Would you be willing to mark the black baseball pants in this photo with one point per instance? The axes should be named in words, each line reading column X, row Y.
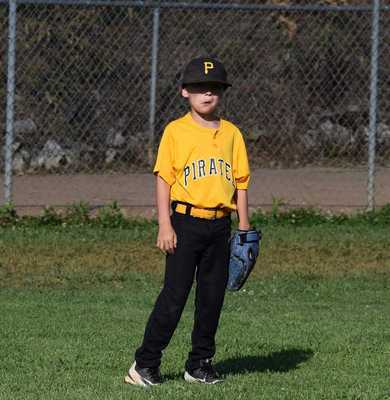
column 202, row 252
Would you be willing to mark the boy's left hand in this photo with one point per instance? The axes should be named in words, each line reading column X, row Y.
column 244, row 249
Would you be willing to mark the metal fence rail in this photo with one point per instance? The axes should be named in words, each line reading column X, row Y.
column 96, row 81
column 3, row 75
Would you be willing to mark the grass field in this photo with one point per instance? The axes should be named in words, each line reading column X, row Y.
column 312, row 322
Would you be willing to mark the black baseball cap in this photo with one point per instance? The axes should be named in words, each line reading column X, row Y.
column 205, row 69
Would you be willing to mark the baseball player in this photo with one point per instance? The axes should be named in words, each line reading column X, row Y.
column 202, row 174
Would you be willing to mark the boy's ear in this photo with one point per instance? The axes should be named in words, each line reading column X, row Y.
column 184, row 92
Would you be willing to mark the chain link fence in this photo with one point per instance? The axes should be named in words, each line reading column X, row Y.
column 85, row 80
column 3, row 75
column 301, row 80
column 383, row 127
column 383, row 137
column 82, row 88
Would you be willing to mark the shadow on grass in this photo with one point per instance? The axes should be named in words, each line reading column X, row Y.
column 279, row 361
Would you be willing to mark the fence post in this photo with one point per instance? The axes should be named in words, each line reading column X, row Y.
column 373, row 105
column 153, row 81
column 9, row 138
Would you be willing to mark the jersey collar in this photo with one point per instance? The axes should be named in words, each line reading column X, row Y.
column 188, row 118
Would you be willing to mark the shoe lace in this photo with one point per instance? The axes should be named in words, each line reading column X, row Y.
column 208, row 368
column 154, row 373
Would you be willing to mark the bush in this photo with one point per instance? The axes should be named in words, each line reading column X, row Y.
column 111, row 216
column 8, row 215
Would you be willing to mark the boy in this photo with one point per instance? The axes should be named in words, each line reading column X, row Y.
column 202, row 173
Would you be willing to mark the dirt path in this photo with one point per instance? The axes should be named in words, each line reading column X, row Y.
column 326, row 188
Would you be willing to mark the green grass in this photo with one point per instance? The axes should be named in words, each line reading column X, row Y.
column 79, row 256
column 311, row 323
column 281, row 338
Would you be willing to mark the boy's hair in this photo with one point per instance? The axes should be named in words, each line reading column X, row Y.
column 205, row 70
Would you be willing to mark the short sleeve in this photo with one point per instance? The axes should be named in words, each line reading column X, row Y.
column 165, row 155
column 241, row 171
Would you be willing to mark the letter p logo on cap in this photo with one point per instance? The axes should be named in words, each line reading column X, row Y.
column 208, row 65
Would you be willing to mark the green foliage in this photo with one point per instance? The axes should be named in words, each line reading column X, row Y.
column 50, row 216
column 277, row 203
column 8, row 215
column 380, row 216
column 78, row 214
column 111, row 216
column 312, row 217
column 296, row 217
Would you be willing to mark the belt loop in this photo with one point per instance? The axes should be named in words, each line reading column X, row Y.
column 173, row 205
column 188, row 209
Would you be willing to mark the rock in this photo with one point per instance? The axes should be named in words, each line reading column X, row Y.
column 122, row 122
column 24, row 126
column 88, row 155
column 110, row 156
column 115, row 139
column 311, row 140
column 382, row 137
column 383, row 134
column 327, row 128
column 354, row 108
column 352, row 116
column 53, row 156
column 16, row 146
column 313, row 121
column 273, row 164
column 20, row 162
column 336, row 135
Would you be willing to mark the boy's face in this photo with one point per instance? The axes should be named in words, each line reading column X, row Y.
column 203, row 97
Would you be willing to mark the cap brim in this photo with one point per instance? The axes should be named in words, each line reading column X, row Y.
column 227, row 84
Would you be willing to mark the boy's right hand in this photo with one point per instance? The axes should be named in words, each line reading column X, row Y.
column 166, row 238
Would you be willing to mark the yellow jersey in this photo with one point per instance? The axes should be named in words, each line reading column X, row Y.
column 203, row 166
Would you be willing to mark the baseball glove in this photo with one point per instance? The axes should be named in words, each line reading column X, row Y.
column 244, row 249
